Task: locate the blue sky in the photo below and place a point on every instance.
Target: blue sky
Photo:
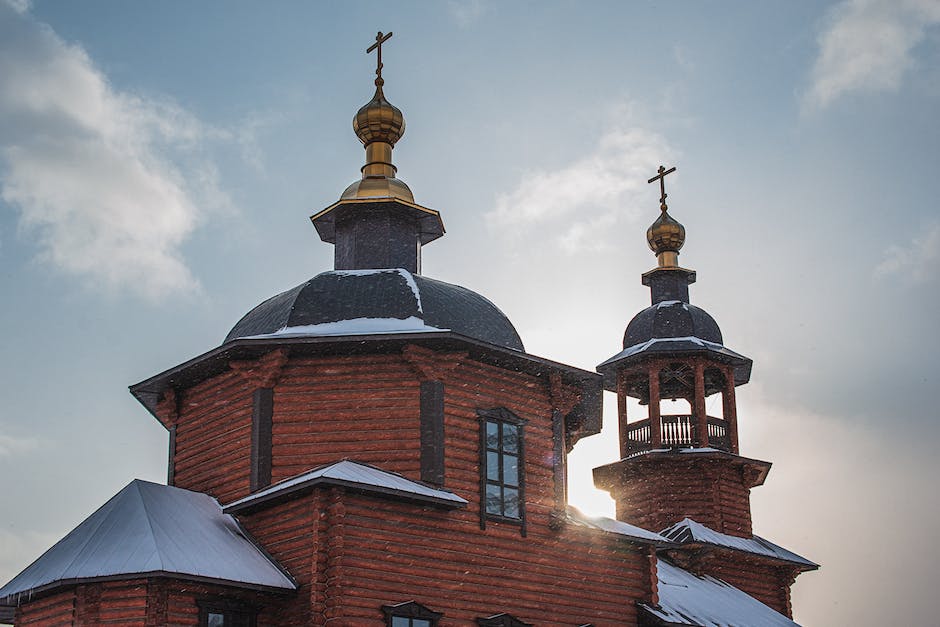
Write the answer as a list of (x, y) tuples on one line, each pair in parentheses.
[(159, 161)]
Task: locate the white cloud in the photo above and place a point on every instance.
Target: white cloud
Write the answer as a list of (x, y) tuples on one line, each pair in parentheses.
[(918, 261), (582, 200), (466, 12), (20, 6), (91, 168), (10, 445), (867, 46)]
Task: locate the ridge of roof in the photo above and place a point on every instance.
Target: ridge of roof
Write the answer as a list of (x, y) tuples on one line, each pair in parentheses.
[(351, 474), (688, 531), (150, 529), (611, 525)]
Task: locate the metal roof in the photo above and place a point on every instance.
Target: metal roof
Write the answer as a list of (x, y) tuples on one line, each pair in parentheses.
[(688, 531), (618, 527), (352, 475), (687, 599), (148, 529)]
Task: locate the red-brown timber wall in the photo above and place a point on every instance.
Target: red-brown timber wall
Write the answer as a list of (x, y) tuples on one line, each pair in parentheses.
[(213, 437), (390, 553), (711, 492), (56, 610), (363, 407), (472, 386)]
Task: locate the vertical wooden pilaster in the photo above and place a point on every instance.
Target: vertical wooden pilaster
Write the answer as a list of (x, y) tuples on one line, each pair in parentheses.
[(432, 432), (622, 412), (656, 423), (729, 409), (698, 409)]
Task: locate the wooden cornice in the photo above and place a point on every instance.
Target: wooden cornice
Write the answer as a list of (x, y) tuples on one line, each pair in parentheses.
[(264, 371)]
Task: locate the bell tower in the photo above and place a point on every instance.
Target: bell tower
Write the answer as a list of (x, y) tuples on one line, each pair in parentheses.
[(685, 463)]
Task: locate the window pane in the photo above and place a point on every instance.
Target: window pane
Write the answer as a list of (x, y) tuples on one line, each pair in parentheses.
[(240, 619), (492, 435), (511, 470), (510, 438), (398, 621), (494, 501), (492, 466), (216, 620), (511, 503), (420, 622)]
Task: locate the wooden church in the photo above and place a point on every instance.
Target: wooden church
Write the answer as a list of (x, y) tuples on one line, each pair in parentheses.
[(376, 447)]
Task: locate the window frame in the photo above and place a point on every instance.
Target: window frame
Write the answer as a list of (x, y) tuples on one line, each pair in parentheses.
[(502, 620), (410, 610), (228, 608), (502, 416)]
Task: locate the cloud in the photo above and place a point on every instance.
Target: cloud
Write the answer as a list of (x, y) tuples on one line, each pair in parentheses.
[(584, 199), (10, 445), (867, 47), (918, 261), (466, 12), (92, 170)]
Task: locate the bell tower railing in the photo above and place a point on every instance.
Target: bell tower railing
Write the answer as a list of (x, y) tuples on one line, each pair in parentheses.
[(678, 431)]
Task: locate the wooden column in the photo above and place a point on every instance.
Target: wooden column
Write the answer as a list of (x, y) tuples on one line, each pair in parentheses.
[(698, 408), (656, 424), (622, 412), (729, 409)]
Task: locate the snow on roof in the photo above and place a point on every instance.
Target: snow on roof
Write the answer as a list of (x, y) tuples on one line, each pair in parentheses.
[(687, 599), (689, 531), (355, 326), (354, 475), (652, 343), (615, 526), (152, 529), (408, 278)]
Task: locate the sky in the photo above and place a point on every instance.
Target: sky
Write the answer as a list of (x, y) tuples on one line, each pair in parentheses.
[(159, 163)]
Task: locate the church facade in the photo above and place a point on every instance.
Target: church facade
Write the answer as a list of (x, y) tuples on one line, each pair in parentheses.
[(376, 447)]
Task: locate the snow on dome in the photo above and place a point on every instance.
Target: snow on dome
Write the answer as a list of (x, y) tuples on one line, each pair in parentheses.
[(381, 301)]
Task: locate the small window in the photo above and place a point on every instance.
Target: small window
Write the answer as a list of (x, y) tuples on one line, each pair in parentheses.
[(226, 614), (410, 614), (501, 465)]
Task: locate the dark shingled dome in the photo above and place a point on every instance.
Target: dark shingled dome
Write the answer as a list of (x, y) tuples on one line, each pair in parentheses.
[(341, 295), (671, 318)]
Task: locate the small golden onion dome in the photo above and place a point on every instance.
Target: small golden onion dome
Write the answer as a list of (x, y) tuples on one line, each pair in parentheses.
[(379, 120), (665, 236)]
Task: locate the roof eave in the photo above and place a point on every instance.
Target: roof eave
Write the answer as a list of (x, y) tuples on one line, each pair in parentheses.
[(587, 414), (16, 598)]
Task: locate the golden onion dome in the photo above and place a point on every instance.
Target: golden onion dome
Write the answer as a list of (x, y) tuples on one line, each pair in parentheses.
[(379, 120), (666, 235)]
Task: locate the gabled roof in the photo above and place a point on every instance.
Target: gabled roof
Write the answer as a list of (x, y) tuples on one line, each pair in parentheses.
[(354, 475), (148, 529), (618, 527), (687, 599), (688, 531)]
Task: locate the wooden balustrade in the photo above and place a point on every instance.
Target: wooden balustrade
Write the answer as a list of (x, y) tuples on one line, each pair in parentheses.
[(679, 431)]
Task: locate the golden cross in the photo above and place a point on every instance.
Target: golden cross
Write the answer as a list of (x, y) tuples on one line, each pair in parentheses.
[(379, 40), (661, 177)]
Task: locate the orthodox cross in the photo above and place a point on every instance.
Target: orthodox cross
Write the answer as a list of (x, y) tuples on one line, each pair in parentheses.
[(379, 40), (661, 177)]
